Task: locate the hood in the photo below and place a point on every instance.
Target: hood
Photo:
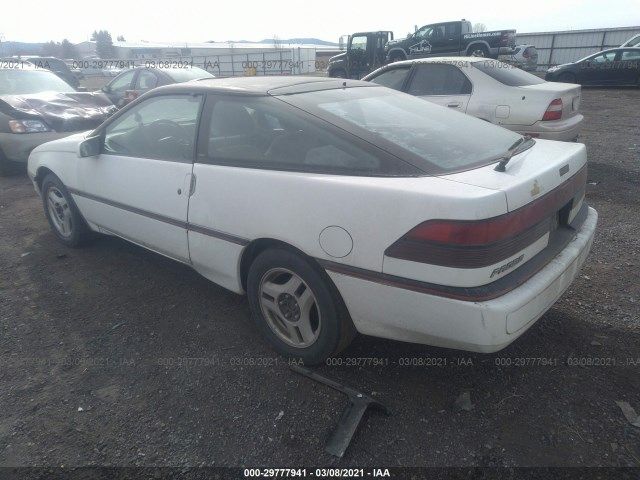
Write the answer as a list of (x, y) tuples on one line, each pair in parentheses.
[(337, 58), (63, 112), (65, 144)]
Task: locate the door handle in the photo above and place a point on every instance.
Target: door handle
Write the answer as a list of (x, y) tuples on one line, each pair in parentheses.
[(192, 185), (453, 104)]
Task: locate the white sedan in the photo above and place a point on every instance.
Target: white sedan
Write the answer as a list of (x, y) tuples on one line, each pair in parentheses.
[(492, 91), (337, 206)]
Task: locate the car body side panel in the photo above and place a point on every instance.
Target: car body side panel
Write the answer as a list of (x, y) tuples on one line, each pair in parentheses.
[(296, 207)]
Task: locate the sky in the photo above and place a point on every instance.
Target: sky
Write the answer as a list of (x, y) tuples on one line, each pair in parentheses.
[(203, 20)]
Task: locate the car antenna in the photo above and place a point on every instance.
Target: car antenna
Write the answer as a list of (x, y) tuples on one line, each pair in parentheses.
[(502, 165)]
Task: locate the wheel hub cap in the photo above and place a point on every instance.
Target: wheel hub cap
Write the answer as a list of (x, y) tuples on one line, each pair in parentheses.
[(289, 307)]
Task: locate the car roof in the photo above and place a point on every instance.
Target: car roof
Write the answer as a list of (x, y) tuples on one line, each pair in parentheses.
[(267, 85), (439, 60), (616, 49)]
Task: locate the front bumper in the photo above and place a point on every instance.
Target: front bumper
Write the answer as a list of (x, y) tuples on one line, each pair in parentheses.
[(566, 130), (17, 146), (488, 326)]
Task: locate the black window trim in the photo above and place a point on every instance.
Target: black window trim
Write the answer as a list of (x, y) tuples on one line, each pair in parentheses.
[(417, 65), (102, 129), (203, 133)]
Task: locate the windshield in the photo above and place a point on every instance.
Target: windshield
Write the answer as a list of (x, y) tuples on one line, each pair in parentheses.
[(507, 74), (24, 82), (186, 74), (433, 138)]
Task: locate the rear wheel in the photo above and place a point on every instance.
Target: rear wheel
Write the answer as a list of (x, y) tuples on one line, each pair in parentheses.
[(396, 57), (478, 51), (63, 215), (567, 77), (296, 308)]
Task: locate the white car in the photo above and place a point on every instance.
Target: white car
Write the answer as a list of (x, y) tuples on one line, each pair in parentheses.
[(337, 206), (492, 91), (524, 57)]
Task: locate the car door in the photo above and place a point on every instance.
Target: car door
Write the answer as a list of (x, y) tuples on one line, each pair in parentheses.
[(392, 77), (360, 56), (630, 67), (598, 70), (452, 37), (117, 88), (139, 186), (441, 83), (420, 42)]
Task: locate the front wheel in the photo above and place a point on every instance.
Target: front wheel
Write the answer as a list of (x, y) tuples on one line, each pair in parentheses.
[(63, 215), (296, 308)]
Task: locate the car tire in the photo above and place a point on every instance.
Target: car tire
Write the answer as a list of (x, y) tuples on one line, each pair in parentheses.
[(63, 214), (478, 51), (338, 73), (296, 307), (567, 77), (396, 57)]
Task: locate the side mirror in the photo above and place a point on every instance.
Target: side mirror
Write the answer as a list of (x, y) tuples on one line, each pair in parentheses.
[(90, 147), (106, 89)]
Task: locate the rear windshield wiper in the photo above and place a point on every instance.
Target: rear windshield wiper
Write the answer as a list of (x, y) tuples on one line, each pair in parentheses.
[(512, 150)]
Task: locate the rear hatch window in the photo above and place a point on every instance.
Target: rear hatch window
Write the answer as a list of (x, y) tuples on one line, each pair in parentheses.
[(507, 74), (432, 138)]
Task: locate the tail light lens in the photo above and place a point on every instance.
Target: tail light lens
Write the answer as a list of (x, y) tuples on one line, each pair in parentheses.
[(525, 54), (474, 244), (554, 111)]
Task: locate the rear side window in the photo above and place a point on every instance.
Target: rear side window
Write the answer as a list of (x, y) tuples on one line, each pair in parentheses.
[(628, 55), (162, 128), (392, 78), (432, 138), (263, 132), (439, 79), (507, 74), (146, 80)]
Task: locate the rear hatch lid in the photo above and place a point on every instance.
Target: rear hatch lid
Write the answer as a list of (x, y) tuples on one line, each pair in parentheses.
[(530, 174)]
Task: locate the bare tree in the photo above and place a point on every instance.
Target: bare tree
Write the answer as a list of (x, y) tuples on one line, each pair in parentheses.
[(479, 27), (277, 43)]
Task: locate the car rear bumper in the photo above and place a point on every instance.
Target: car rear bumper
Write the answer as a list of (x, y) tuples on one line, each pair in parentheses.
[(487, 326), (18, 146), (567, 130)]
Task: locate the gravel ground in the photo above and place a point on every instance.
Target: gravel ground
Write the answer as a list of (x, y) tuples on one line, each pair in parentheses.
[(111, 355)]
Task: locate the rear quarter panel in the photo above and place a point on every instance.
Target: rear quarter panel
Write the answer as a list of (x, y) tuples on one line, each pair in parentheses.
[(296, 207)]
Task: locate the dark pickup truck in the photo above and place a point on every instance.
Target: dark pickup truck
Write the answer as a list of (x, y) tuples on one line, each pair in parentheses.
[(451, 39)]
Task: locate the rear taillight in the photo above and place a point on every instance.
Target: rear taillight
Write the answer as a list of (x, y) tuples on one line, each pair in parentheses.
[(474, 244), (525, 54), (554, 111)]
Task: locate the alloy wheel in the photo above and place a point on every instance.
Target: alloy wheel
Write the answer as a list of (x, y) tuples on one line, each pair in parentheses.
[(289, 307), (59, 212)]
